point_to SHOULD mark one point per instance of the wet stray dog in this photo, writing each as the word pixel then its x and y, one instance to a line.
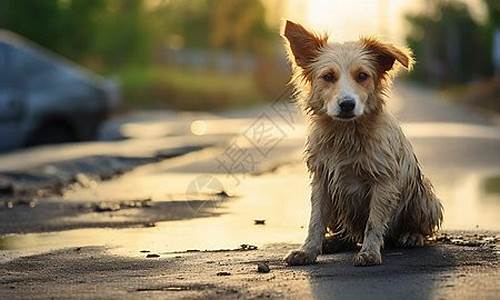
pixel 366 180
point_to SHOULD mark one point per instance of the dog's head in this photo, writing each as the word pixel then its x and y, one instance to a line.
pixel 344 80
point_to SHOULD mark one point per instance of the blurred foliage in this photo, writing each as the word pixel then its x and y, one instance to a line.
pixel 238 26
pixel 102 34
pixel 133 39
pixel 450 46
pixel 492 185
pixel 105 34
pixel 167 87
pixel 493 10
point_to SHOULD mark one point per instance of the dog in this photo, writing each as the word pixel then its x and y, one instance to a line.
pixel 366 182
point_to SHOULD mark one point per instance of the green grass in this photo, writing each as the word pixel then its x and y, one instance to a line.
pixel 161 87
pixel 492 185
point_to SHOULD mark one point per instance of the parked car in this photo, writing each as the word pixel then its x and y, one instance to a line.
pixel 45 98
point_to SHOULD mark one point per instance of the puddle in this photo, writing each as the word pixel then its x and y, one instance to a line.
pixel 472 202
pixel 166 237
pixel 279 200
pixel 285 212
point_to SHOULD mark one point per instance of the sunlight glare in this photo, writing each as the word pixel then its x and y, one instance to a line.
pixel 348 20
pixel 199 127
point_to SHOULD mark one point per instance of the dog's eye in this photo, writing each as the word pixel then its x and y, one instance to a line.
pixel 329 77
pixel 362 76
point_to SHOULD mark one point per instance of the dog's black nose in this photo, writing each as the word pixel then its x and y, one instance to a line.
pixel 347 105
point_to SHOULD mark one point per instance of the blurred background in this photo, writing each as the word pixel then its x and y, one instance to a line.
pixel 175 138
pixel 219 54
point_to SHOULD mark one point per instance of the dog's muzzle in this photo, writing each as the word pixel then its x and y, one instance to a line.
pixel 346 108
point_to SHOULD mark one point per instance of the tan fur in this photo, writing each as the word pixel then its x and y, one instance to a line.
pixel 366 180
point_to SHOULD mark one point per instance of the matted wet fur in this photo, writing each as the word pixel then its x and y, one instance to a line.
pixel 367 183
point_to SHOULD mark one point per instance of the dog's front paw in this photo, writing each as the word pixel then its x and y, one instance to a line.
pixel 367 258
pixel 300 258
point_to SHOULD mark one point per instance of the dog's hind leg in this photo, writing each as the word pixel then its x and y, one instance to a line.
pixel 409 240
pixel 383 201
pixel 320 210
pixel 419 218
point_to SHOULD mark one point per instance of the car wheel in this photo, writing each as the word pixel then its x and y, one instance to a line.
pixel 52 133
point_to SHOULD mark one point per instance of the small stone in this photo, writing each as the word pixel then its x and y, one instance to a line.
pixel 246 247
pixel 105 207
pixel 223 273
pixel 144 251
pixel 472 243
pixel 152 255
pixel 223 194
pixel 259 222
pixel 489 239
pixel 146 202
pixel 263 267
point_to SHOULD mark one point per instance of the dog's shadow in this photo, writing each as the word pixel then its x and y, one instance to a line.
pixel 413 273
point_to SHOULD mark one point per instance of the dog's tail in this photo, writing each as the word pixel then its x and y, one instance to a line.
pixel 431 209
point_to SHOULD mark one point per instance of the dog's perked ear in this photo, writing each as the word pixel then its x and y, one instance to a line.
pixel 386 54
pixel 304 45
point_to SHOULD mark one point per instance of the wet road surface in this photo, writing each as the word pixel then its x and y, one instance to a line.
pixel 191 202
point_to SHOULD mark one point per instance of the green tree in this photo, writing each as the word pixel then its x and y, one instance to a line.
pixel 238 26
pixel 38 20
pixel 99 33
pixel 493 11
pixel 123 36
pixel 450 46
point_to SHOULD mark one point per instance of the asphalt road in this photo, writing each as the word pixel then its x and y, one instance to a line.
pixel 186 183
